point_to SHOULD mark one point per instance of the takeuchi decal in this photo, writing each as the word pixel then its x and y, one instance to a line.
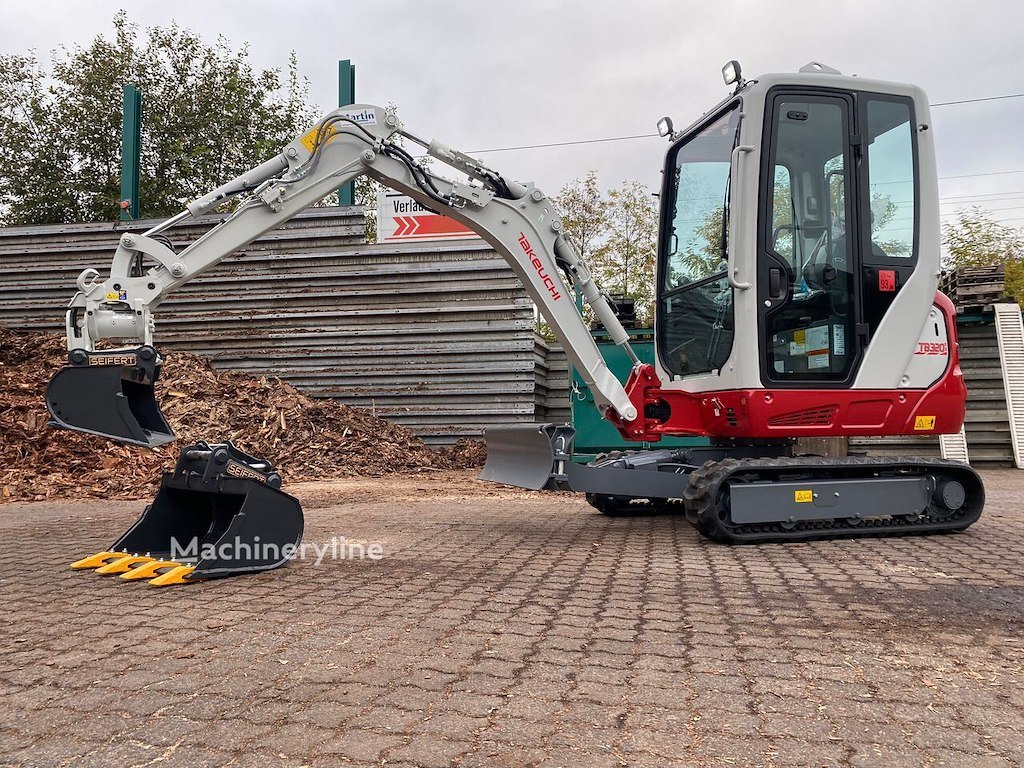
pixel 538 265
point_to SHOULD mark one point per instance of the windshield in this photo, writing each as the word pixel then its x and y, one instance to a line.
pixel 695 238
pixel 695 327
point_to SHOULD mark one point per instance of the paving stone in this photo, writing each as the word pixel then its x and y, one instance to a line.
pixel 495 633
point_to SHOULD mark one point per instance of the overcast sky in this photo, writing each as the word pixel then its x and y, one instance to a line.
pixel 482 75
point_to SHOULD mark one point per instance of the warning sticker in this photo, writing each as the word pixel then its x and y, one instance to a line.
pixel 817 339
pixel 924 423
pixel 817 360
pixel 802 497
pixel 798 346
pixel 309 140
pixel 838 339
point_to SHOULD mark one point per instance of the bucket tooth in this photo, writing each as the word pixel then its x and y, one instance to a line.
pixel 98 560
pixel 150 569
pixel 177 575
pixel 123 564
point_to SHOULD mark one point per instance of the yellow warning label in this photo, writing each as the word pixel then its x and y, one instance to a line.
pixel 802 497
pixel 799 337
pixel 309 140
pixel 924 423
pixel 111 296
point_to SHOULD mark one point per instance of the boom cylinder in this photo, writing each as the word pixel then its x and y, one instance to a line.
pixel 251 178
pixel 593 296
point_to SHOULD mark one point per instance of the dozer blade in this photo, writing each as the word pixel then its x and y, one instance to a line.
pixel 110 394
pixel 219 513
pixel 528 455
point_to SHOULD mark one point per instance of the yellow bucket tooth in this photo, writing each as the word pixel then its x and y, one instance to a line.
pixel 125 563
pixel 97 560
pixel 150 569
pixel 175 576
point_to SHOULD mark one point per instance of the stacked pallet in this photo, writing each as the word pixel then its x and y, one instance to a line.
pixel 974 289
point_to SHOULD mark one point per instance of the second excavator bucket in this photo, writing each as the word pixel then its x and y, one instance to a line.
pixel 221 512
pixel 110 394
pixel 528 455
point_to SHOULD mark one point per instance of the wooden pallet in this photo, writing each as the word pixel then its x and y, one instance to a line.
pixel 974 288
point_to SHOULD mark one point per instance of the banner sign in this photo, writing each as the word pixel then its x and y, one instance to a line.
pixel 402 219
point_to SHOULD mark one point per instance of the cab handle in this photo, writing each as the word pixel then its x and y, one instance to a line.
pixel 735 190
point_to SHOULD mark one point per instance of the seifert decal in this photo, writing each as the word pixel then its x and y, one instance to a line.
pixel 549 283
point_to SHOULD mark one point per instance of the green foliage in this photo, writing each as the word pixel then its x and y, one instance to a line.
pixel 702 254
pixel 584 212
pixel 628 265
pixel 208 115
pixel 616 234
pixel 977 240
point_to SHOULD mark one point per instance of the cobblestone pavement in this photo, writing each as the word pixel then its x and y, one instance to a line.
pixel 510 629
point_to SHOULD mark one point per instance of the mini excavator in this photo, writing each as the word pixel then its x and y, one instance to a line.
pixel 796 296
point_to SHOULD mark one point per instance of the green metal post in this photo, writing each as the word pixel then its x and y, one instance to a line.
pixel 346 96
pixel 131 140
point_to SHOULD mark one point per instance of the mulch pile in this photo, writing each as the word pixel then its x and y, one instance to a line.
pixel 305 438
pixel 466 452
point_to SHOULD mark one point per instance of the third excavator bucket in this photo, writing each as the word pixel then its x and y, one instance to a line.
pixel 110 393
pixel 221 512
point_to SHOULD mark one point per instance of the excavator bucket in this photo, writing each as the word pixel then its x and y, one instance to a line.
pixel 110 394
pixel 528 455
pixel 221 512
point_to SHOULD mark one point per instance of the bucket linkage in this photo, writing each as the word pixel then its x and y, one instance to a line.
pixel 110 393
pixel 221 512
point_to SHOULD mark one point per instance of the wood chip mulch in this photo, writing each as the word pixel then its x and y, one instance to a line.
pixel 306 438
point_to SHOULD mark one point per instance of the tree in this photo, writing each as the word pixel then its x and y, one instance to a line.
pixel 627 266
pixel 584 212
pixel 616 234
pixel 977 240
pixel 208 115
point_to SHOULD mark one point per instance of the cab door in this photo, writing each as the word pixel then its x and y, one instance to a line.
pixel 808 265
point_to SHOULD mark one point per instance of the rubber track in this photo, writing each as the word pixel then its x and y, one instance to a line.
pixel 707 490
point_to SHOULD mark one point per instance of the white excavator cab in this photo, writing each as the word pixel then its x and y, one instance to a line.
pixel 799 237
pixel 798 266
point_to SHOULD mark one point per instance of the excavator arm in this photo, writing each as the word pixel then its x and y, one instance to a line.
pixel 110 392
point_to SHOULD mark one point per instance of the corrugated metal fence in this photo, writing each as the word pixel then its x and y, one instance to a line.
pixel 438 337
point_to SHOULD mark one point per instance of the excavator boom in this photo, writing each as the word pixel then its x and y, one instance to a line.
pixel 110 393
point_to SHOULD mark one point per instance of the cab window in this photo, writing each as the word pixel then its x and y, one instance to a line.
pixel 695 328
